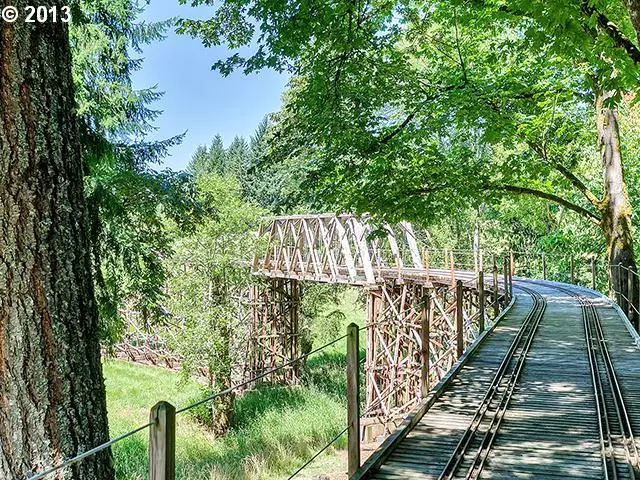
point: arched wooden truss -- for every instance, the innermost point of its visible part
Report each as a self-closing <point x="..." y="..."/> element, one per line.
<point x="338" y="249"/>
<point x="418" y="321"/>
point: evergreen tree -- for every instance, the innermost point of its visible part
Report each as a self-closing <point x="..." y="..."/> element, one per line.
<point x="207" y="161"/>
<point x="128" y="199"/>
<point x="237" y="158"/>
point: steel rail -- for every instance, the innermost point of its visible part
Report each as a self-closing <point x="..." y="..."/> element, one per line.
<point x="621" y="414"/>
<point x="609" y="440"/>
<point x="521" y="343"/>
<point x="487" y="442"/>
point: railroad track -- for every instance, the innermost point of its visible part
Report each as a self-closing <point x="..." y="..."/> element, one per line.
<point x="618" y="446"/>
<point x="471" y="452"/>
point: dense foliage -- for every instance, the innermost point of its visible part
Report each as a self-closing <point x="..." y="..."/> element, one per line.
<point x="129" y="200"/>
<point x="419" y="110"/>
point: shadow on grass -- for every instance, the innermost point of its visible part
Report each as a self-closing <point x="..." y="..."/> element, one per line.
<point x="275" y="430"/>
<point x="327" y="373"/>
<point x="265" y="398"/>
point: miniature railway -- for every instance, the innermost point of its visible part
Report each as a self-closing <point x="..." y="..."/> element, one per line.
<point x="617" y="442"/>
<point x="481" y="433"/>
<point x="544" y="397"/>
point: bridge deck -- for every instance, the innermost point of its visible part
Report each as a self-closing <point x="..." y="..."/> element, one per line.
<point x="547" y="424"/>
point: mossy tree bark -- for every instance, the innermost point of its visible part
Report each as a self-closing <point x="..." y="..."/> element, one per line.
<point x="52" y="397"/>
<point x="615" y="206"/>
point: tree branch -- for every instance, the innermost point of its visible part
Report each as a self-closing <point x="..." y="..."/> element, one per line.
<point x="588" y="214"/>
<point x="388" y="137"/>
<point x="576" y="182"/>
<point x="568" y="174"/>
<point x="619" y="38"/>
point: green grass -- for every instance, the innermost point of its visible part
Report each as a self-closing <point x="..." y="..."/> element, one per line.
<point x="275" y="429"/>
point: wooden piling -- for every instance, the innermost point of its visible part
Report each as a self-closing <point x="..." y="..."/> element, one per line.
<point x="424" y="350"/>
<point x="481" y="305"/>
<point x="162" y="442"/>
<point x="459" y="318"/>
<point x="353" y="399"/>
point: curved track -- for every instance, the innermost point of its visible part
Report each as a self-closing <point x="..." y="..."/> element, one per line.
<point x="478" y="438"/>
<point x="541" y="399"/>
<point x="617" y="442"/>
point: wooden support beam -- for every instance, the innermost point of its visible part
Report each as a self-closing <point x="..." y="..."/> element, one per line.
<point x="346" y="248"/>
<point x="481" y="305"/>
<point x="410" y="238"/>
<point x="593" y="273"/>
<point x="363" y="250"/>
<point x="424" y="340"/>
<point x="459" y="319"/>
<point x="544" y="266"/>
<point x="572" y="269"/>
<point x="353" y="399"/>
<point x="162" y="442"/>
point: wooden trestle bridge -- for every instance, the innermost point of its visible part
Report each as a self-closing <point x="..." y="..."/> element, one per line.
<point x="471" y="374"/>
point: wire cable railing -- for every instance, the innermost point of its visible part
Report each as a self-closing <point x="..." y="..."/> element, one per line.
<point x="67" y="463"/>
<point x="162" y="448"/>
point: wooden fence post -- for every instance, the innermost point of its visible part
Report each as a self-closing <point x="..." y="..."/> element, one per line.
<point x="424" y="340"/>
<point x="593" y="273"/>
<point x="544" y="266"/>
<point x="481" y="301"/>
<point x="459" y="318"/>
<point x="572" y="269"/>
<point x="630" y="300"/>
<point x="506" y="270"/>
<point x="496" y="304"/>
<point x="453" y="269"/>
<point x="162" y="442"/>
<point x="512" y="264"/>
<point x="634" y="298"/>
<point x="353" y="399"/>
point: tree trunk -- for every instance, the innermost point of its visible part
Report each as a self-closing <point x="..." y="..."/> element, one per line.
<point x="222" y="407"/>
<point x="52" y="396"/>
<point x="616" y="208"/>
<point x="633" y="6"/>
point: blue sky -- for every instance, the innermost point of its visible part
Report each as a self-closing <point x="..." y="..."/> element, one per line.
<point x="197" y="99"/>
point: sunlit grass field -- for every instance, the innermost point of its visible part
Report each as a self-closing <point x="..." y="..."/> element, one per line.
<point x="275" y="429"/>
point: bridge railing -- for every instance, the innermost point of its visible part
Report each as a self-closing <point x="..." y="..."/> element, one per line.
<point x="626" y="292"/>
